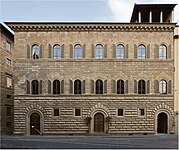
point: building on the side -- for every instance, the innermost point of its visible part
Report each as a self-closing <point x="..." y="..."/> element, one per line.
<point x="6" y="81"/>
<point x="92" y="77"/>
<point x="176" y="96"/>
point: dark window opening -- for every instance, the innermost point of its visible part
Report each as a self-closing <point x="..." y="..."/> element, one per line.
<point x="141" y="112"/>
<point x="156" y="16"/>
<point x="120" y="87"/>
<point x="145" y="16"/>
<point x="56" y="87"/>
<point x="8" y="124"/>
<point x="141" y="87"/>
<point x="35" y="87"/>
<point x="56" y="112"/>
<point x="99" y="87"/>
<point x="77" y="87"/>
<point x="120" y="112"/>
<point x="77" y="112"/>
<point x="8" y="96"/>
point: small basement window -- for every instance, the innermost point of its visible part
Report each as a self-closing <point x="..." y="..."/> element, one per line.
<point x="77" y="112"/>
<point x="141" y="112"/>
<point x="56" y="112"/>
<point x="120" y="112"/>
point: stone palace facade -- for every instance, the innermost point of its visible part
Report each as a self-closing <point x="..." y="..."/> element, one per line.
<point x="91" y="77"/>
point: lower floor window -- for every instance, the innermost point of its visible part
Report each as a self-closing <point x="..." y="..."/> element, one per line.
<point x="8" y="96"/>
<point x="141" y="112"/>
<point x="77" y="112"/>
<point x="8" y="124"/>
<point x="120" y="112"/>
<point x="56" y="112"/>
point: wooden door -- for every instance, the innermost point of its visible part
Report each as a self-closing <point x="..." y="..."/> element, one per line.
<point x="34" y="124"/>
<point x="162" y="123"/>
<point x="99" y="122"/>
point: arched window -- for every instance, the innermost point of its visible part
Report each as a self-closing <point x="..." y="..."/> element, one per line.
<point x="99" y="87"/>
<point x="120" y="52"/>
<point x="162" y="52"/>
<point x="120" y="87"/>
<point x="78" y="51"/>
<point x="141" y="87"/>
<point x="99" y="52"/>
<point x="35" y="87"/>
<point x="56" y="51"/>
<point x="163" y="87"/>
<point x="35" y="52"/>
<point x="56" y="87"/>
<point x="141" y="52"/>
<point x="77" y="87"/>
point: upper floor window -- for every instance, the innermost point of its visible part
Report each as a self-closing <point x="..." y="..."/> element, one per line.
<point x="99" y="52"/>
<point x="77" y="87"/>
<point x="56" y="87"/>
<point x="99" y="87"/>
<point x="120" y="87"/>
<point x="141" y="52"/>
<point x="35" y="52"/>
<point x="35" y="87"/>
<point x="78" y="51"/>
<point x="163" y="87"/>
<point x="162" y="52"/>
<point x="8" y="47"/>
<point x="56" y="51"/>
<point x="9" y="82"/>
<point x="120" y="52"/>
<point x="141" y="87"/>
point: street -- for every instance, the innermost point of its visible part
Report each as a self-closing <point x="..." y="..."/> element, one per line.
<point x="161" y="141"/>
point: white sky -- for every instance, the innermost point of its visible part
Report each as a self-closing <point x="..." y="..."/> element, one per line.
<point x="74" y="10"/>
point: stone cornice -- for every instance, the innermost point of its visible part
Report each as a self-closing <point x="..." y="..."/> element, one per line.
<point x="24" y="60"/>
<point x="98" y="27"/>
<point x="127" y="97"/>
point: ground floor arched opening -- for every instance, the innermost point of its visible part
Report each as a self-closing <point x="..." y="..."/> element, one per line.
<point x="98" y="123"/>
<point x="35" y="124"/>
<point x="162" y="123"/>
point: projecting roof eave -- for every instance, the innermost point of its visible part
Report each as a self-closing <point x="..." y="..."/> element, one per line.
<point x="10" y="34"/>
<point x="151" y="7"/>
<point x="87" y="26"/>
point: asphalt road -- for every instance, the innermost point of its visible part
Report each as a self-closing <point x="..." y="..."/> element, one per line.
<point x="91" y="142"/>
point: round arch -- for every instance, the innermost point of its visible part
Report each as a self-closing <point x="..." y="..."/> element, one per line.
<point x="28" y="123"/>
<point x="98" y="111"/>
<point x="166" y="121"/>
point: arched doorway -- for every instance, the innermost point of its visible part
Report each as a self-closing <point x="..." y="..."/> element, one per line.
<point x="34" y="124"/>
<point x="162" y="123"/>
<point x="98" y="122"/>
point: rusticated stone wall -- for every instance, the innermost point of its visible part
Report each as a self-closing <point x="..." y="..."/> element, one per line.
<point x="7" y="121"/>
